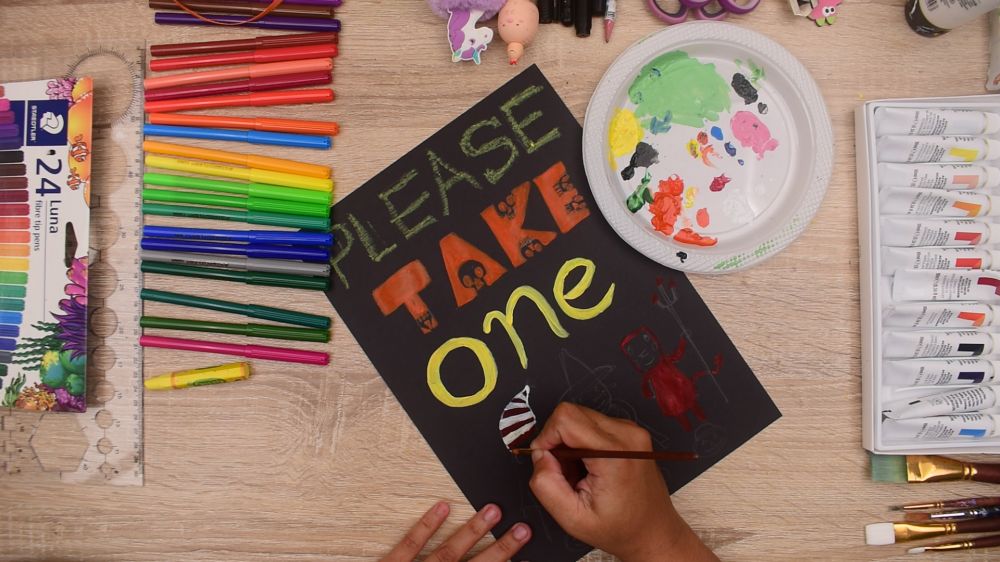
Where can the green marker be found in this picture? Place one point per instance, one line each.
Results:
(251, 330)
(252, 217)
(248, 310)
(12, 291)
(248, 277)
(252, 190)
(13, 278)
(12, 305)
(250, 204)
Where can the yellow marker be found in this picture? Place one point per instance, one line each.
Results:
(230, 372)
(240, 159)
(13, 264)
(246, 174)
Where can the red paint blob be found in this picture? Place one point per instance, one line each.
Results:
(702, 217)
(719, 182)
(688, 236)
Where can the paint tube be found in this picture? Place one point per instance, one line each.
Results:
(938, 176)
(942, 428)
(925, 344)
(894, 259)
(936, 285)
(937, 203)
(993, 73)
(910, 232)
(931, 18)
(961, 315)
(939, 372)
(915, 150)
(960, 401)
(919, 121)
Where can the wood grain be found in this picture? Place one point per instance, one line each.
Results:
(308, 463)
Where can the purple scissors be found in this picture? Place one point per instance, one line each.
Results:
(703, 9)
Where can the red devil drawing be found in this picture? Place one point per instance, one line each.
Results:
(662, 380)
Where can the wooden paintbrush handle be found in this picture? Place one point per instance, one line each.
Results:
(978, 526)
(986, 542)
(987, 472)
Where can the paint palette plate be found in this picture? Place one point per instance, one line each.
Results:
(708, 147)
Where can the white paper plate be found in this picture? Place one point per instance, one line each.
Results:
(753, 176)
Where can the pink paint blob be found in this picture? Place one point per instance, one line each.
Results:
(702, 217)
(751, 133)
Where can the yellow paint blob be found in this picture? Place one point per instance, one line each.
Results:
(689, 196)
(624, 133)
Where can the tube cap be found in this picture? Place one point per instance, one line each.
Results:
(992, 123)
(992, 177)
(992, 149)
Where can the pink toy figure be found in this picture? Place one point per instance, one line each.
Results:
(824, 12)
(518, 26)
(465, 39)
(752, 133)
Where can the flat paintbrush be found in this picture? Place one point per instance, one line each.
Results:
(565, 453)
(930, 468)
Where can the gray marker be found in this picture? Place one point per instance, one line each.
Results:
(240, 263)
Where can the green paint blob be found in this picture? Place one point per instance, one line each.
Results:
(674, 82)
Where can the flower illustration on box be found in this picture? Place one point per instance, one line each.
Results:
(59, 355)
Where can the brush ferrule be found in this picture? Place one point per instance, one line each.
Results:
(914, 531)
(920, 468)
(951, 546)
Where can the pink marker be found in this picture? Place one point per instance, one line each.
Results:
(251, 351)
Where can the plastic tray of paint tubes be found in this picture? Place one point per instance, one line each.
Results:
(929, 231)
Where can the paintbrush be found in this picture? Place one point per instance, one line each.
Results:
(980, 542)
(930, 468)
(891, 533)
(985, 501)
(971, 513)
(564, 453)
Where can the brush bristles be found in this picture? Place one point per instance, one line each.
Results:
(888, 468)
(880, 534)
(917, 550)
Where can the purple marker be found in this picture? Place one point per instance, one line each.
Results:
(267, 22)
(12, 143)
(10, 130)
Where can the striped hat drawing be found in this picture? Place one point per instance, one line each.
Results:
(517, 423)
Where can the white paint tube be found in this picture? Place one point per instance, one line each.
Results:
(919, 121)
(935, 285)
(960, 401)
(915, 150)
(993, 73)
(911, 232)
(937, 203)
(894, 259)
(955, 315)
(938, 176)
(939, 372)
(942, 428)
(925, 344)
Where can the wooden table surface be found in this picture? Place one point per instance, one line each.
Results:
(308, 463)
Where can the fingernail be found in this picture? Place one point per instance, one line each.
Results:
(491, 514)
(521, 532)
(536, 455)
(441, 508)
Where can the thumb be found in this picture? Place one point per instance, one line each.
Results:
(551, 487)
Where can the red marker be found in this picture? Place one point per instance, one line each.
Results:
(255, 56)
(244, 86)
(267, 42)
(284, 97)
(250, 123)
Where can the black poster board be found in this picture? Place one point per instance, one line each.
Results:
(478, 266)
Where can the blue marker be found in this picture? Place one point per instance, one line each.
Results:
(11, 317)
(264, 251)
(252, 137)
(8, 344)
(9, 331)
(250, 236)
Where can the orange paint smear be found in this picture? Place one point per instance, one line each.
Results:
(688, 236)
(702, 217)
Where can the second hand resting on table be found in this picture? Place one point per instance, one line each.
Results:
(621, 506)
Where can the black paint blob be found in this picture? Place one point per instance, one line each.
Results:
(744, 88)
(645, 156)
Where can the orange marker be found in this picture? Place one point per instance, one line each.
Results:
(249, 71)
(245, 123)
(14, 250)
(285, 97)
(14, 236)
(248, 160)
(259, 56)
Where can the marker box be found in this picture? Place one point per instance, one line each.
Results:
(926, 243)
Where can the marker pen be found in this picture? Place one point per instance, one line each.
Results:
(920, 149)
(912, 232)
(942, 428)
(939, 372)
(937, 285)
(962, 315)
(894, 259)
(925, 121)
(230, 372)
(939, 176)
(925, 344)
(972, 399)
(937, 203)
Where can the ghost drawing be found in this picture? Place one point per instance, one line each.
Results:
(752, 133)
